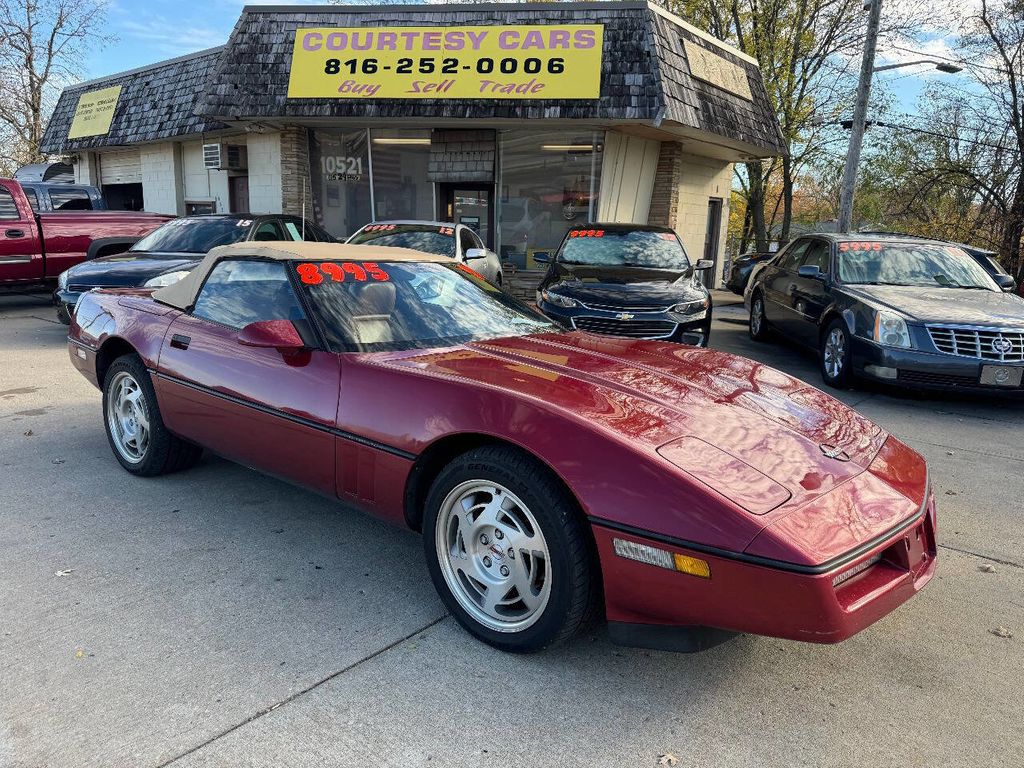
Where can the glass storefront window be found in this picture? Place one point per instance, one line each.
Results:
(340, 172)
(401, 188)
(549, 183)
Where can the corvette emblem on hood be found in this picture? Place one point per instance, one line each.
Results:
(833, 452)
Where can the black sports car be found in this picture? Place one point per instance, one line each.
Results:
(626, 280)
(171, 251)
(916, 313)
(740, 269)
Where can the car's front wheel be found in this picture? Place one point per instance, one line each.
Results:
(508, 550)
(758, 321)
(835, 355)
(137, 435)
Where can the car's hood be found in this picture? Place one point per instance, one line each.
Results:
(944, 305)
(753, 434)
(626, 286)
(128, 269)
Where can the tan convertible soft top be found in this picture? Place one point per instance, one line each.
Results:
(182, 294)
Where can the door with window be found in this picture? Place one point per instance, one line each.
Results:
(259, 407)
(712, 236)
(777, 283)
(470, 205)
(20, 254)
(811, 294)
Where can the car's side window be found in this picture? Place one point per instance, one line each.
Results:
(8, 208)
(270, 230)
(792, 258)
(816, 256)
(69, 199)
(466, 240)
(237, 293)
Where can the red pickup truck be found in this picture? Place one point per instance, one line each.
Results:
(36, 247)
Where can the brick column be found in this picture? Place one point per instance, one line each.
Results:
(665, 195)
(295, 171)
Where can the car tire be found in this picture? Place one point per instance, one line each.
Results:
(499, 526)
(834, 355)
(136, 432)
(758, 328)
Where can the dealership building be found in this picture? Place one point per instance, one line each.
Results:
(519, 120)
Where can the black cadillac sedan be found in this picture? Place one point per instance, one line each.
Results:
(916, 313)
(171, 251)
(626, 280)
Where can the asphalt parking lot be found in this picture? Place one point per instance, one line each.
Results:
(222, 618)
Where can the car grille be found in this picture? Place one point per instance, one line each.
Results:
(620, 308)
(980, 343)
(636, 329)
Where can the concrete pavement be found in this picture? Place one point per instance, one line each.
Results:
(221, 618)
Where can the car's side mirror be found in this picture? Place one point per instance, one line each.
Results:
(703, 264)
(475, 253)
(272, 334)
(541, 258)
(1006, 282)
(812, 271)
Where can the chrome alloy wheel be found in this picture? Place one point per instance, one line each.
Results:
(834, 357)
(493, 556)
(127, 417)
(757, 316)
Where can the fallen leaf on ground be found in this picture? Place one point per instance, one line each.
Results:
(987, 568)
(79, 654)
(28, 434)
(668, 759)
(57, 461)
(1001, 632)
(951, 493)
(65, 572)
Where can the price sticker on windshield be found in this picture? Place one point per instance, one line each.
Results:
(858, 246)
(336, 271)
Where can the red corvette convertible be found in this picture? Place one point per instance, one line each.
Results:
(688, 493)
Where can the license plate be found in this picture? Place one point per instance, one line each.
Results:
(1001, 375)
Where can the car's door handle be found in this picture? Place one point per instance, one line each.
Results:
(180, 342)
(14, 233)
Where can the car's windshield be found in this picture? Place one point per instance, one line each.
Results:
(420, 237)
(197, 235)
(917, 264)
(411, 305)
(634, 248)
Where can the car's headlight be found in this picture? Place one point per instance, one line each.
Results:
(558, 299)
(691, 307)
(168, 278)
(891, 330)
(62, 280)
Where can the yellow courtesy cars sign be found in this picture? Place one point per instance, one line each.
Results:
(551, 61)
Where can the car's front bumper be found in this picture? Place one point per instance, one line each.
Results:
(692, 329)
(65, 302)
(917, 369)
(655, 607)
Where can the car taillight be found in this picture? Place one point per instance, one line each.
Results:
(859, 568)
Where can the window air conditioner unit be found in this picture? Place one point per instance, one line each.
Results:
(225, 157)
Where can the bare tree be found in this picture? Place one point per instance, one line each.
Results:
(42, 45)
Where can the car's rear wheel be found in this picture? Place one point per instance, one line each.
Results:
(135, 430)
(508, 550)
(759, 330)
(835, 355)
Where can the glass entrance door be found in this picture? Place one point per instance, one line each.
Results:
(470, 205)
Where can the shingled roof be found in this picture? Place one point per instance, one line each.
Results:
(645, 72)
(156, 102)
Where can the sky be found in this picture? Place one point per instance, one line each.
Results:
(148, 31)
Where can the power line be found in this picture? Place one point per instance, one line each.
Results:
(968, 64)
(868, 123)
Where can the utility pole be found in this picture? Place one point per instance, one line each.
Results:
(860, 113)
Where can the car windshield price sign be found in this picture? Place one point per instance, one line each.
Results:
(552, 61)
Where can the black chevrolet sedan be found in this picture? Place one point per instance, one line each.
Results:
(916, 313)
(171, 251)
(626, 280)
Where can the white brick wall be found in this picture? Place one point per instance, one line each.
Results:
(702, 178)
(162, 187)
(264, 150)
(202, 183)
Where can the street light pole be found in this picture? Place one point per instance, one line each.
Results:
(860, 113)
